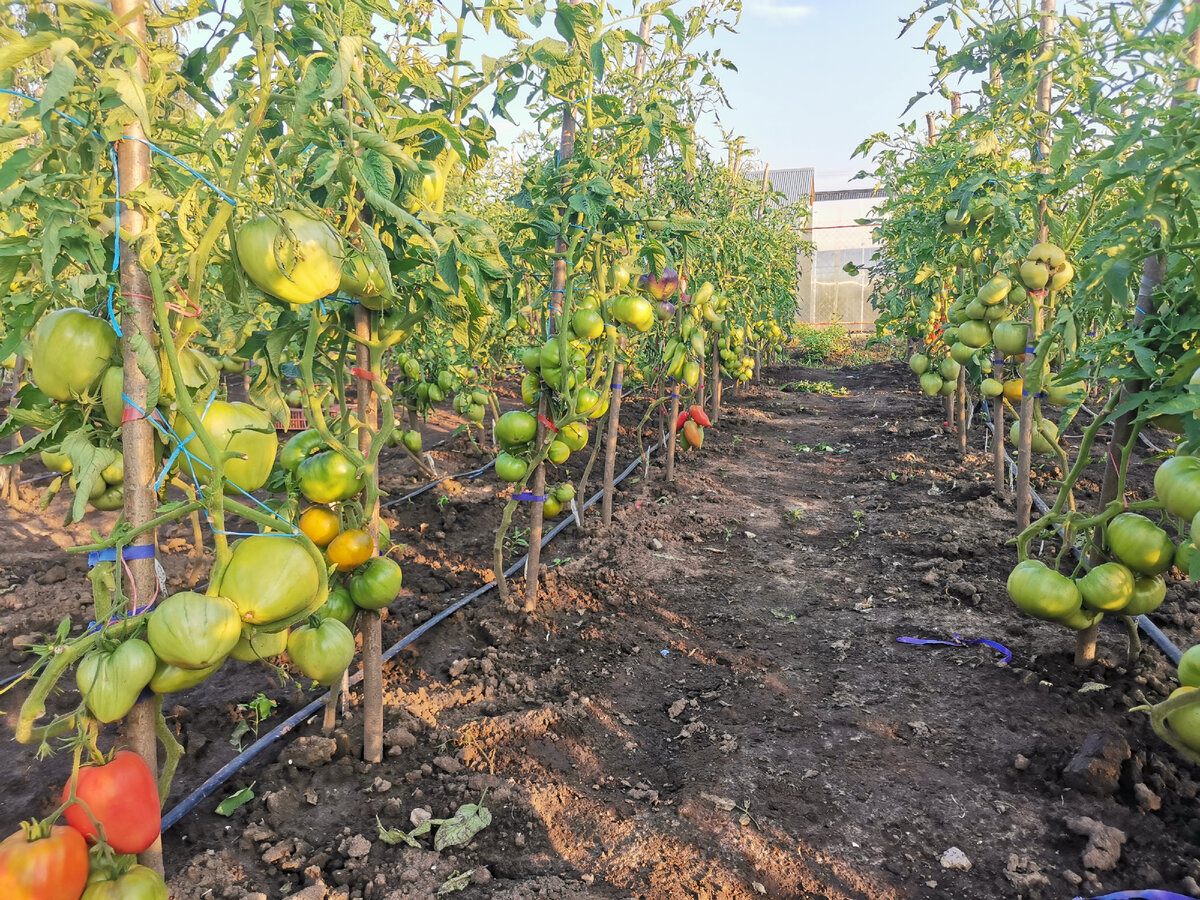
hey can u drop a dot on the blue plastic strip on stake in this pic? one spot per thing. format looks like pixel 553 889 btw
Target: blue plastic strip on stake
pixel 142 551
pixel 961 642
pixel 532 498
pixel 1140 895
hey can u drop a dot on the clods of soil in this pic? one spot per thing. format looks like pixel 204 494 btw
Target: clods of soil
pixel 709 700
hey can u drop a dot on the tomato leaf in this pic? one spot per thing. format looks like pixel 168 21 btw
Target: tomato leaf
pixel 457 831
pixel 455 883
pixel 234 802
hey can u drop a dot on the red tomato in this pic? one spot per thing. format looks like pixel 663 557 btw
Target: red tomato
pixel 54 867
pixel 683 417
pixel 701 417
pixel 123 797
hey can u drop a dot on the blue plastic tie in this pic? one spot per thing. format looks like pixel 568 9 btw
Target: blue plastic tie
pixel 532 498
pixel 142 551
pixel 1140 895
pixel 962 642
pixel 616 387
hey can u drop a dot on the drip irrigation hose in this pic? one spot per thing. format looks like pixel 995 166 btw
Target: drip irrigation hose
pixel 1152 631
pixel 473 473
pixel 190 802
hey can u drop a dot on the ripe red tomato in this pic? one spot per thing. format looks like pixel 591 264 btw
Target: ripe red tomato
pixel 54 867
pixel 123 797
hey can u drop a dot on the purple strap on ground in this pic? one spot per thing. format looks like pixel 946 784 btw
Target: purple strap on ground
pixel 962 642
pixel 1140 895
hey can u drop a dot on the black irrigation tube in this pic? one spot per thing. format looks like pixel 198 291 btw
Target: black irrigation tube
pixel 473 473
pixel 206 790
pixel 1152 631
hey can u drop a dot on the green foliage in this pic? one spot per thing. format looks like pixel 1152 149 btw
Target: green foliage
pixel 817 347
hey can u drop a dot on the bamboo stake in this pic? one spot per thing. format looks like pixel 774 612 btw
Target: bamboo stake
pixel 137 434
pixel 962 413
pixel 716 383
pixel 999 475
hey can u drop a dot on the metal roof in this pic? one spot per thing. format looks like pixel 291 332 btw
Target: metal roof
pixel 796 185
pixel 849 194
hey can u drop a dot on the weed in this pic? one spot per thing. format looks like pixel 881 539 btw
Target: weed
pixel 518 538
pixel 250 715
pixel 560 561
pixel 787 617
pixel 818 346
pixel 828 388
pixel 443 501
pixel 794 516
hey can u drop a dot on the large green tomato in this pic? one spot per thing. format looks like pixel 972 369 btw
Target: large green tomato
pixel 261 645
pixel 1177 483
pixel 299 262
pixel 1186 722
pixel 322 650
pixel 1010 338
pixel 169 679
pixel 196 367
pixel 514 428
pixel 1040 591
pixel 327 477
pixel 1107 587
pixel 194 631
pixel 138 883
pixel 635 311
pixel 376 583
pixel 111 680
pixel 1148 595
pixel 1140 544
pixel 237 428
pixel 271 578
pixel 510 468
pixel 71 350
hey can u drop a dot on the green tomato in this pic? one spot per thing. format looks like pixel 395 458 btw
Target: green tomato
pixel 1107 587
pixel 558 452
pixel 1148 595
pixel 412 440
pixel 194 631
pixel 1189 667
pixel 1177 483
pixel 169 679
pixel 514 428
pixel 111 680
pixel 338 606
pixel 376 583
pixel 260 645
pixel 322 650
pixel 510 468
pixel 71 350
pixel 327 477
pixel 112 387
pixel 574 435
pixel 114 472
pixel 1140 544
pixel 271 579
pixel 299 262
pixel 137 883
pixel 1041 592
pixel 111 499
pixel 362 281
pixel 299 447
pixel 237 428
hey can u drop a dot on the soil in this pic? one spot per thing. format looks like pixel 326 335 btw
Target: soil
pixel 709 700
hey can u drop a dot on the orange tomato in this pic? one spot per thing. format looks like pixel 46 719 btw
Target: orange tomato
pixel 320 524
pixel 350 549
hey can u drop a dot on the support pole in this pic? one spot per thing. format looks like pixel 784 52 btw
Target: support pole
pixel 137 434
pixel 371 622
pixel 558 285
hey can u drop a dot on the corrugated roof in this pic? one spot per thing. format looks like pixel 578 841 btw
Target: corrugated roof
pixel 849 194
pixel 796 185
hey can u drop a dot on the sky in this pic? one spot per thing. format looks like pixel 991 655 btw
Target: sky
pixel 815 78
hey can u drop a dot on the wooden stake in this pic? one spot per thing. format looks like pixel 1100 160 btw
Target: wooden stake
pixel 999 475
pixel 610 450
pixel 962 413
pixel 672 432
pixel 137 434
pixel 1025 438
pixel 716 383
pixel 371 622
